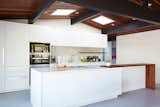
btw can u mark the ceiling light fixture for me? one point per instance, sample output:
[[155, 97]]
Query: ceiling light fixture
[[63, 12], [103, 20], [149, 4], [112, 24], [133, 19], [77, 12]]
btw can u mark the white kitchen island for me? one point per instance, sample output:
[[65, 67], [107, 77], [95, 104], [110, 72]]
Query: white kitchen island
[[75, 87]]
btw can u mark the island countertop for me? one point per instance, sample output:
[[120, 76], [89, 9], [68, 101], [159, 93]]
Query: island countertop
[[126, 65], [70, 69]]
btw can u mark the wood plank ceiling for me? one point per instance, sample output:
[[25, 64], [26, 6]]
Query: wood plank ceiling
[[18, 9], [24, 9]]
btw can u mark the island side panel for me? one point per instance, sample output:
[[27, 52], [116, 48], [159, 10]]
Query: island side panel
[[133, 78], [150, 76], [36, 88]]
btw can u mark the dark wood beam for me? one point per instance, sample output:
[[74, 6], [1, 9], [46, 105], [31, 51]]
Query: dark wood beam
[[145, 3], [127, 27], [119, 7], [84, 16], [112, 37], [40, 10]]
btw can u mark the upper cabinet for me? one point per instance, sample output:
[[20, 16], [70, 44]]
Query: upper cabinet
[[39, 34], [16, 44], [2, 32], [59, 37], [78, 39]]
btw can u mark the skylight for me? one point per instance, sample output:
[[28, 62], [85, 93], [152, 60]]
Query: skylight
[[63, 12], [103, 20]]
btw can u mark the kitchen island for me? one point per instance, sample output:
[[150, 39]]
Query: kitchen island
[[75, 87], [80, 86]]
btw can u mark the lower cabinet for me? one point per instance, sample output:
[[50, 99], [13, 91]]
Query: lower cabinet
[[16, 83], [14, 78], [1, 79], [17, 78]]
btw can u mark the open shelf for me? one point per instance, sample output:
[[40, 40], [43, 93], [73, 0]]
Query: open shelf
[[92, 52], [40, 58]]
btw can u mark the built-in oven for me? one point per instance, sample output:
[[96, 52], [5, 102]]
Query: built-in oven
[[39, 53]]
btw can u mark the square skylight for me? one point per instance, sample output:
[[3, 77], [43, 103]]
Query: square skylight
[[103, 20], [63, 12]]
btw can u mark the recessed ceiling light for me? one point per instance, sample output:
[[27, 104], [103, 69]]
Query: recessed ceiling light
[[77, 13], [149, 4], [102, 20], [133, 19], [63, 12], [112, 24]]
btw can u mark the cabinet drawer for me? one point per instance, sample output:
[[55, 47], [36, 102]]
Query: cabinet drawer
[[17, 83], [16, 78]]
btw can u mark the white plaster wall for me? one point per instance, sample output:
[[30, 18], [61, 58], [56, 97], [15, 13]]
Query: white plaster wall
[[140, 48]]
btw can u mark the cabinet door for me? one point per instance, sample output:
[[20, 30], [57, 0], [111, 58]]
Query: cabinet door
[[16, 78], [1, 56], [40, 34], [16, 57], [16, 45]]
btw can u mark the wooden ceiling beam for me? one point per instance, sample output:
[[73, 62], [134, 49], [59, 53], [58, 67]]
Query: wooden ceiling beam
[[40, 10], [112, 37], [157, 2], [84, 16], [119, 7], [127, 27], [145, 3]]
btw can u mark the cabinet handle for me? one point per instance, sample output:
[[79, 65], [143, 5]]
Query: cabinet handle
[[3, 55]]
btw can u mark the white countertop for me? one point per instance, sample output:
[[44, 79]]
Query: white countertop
[[71, 69], [82, 64]]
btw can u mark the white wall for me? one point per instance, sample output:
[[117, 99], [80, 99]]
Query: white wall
[[73, 54], [140, 48]]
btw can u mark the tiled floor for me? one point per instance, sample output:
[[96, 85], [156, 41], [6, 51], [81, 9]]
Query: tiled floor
[[139, 98]]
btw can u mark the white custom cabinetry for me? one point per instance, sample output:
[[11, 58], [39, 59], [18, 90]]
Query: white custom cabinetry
[[2, 57], [14, 48], [47, 34], [15, 38], [16, 57], [40, 33]]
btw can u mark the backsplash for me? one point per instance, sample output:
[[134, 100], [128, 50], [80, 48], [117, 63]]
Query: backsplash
[[61, 54]]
